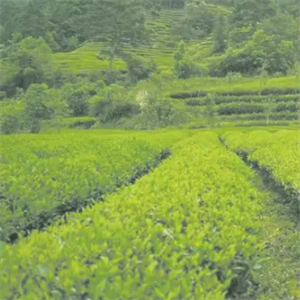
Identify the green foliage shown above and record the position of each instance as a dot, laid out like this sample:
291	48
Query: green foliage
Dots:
261	52
65	172
251	12
107	100
8	73
121	21
35	106
101	35
210	111
9	124
184	66
69	122
2	95
197	23
77	95
26	62
185	231
220	35
10	116
267	151
139	68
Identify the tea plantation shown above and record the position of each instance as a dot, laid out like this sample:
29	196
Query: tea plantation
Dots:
149	215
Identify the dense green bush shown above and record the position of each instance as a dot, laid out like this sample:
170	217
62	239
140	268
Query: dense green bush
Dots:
283	116
256	99
139	68
263	92
286	107
9	124
261	52
197	23
113	111
189	95
242	94
240	109
2	95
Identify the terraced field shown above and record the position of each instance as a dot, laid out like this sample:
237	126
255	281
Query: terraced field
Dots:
159	48
154	215
268	105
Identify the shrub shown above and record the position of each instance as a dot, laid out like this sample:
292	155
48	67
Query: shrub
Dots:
185	68
139	68
9	124
2	95
240	109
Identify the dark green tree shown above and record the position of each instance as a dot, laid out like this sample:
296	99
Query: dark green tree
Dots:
250	12
35	107
220	35
117	22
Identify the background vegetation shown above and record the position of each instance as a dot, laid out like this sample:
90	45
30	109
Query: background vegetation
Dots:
119	63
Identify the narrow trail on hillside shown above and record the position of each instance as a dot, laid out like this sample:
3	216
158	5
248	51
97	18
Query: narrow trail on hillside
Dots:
279	275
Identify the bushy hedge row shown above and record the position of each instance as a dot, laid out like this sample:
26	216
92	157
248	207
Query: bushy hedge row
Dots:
189	95
82	122
240	109
265	92
287	107
248	108
262	116
181	232
261	123
257	99
245	99
44	176
277	153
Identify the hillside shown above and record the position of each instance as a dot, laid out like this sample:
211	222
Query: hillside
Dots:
160	47
132	64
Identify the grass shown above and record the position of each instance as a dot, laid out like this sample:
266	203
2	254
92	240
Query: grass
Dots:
280	274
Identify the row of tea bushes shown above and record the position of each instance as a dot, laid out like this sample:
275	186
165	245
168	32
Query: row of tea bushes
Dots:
187	230
278	153
249	108
246	99
282	116
44	176
239	93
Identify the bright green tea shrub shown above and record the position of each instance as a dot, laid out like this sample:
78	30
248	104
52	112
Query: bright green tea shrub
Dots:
46	175
279	153
188	230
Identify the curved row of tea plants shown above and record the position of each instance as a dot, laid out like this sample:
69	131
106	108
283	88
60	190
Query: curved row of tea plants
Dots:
282	116
239	93
46	175
188	230
249	108
278	153
246	99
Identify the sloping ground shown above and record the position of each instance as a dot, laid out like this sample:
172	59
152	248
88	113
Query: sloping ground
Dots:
246	101
160	48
